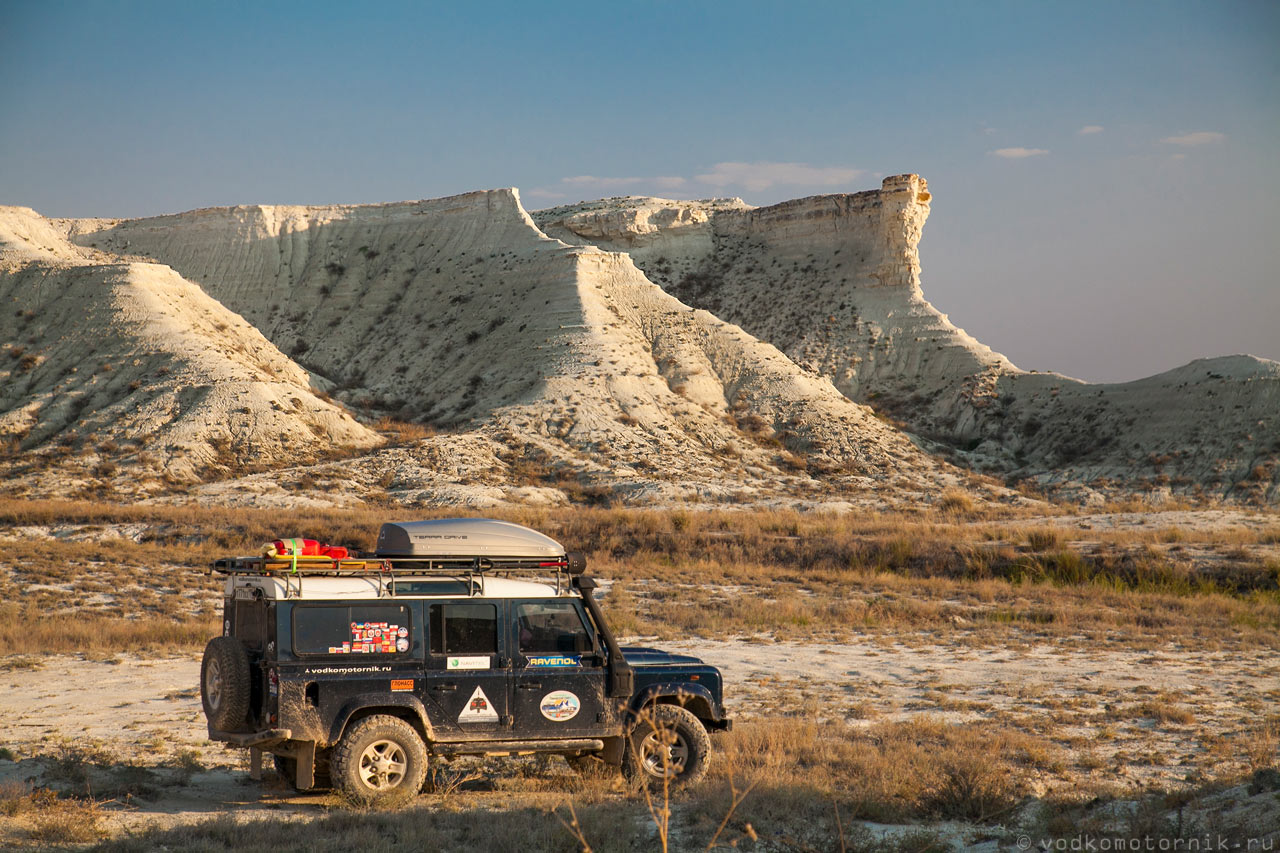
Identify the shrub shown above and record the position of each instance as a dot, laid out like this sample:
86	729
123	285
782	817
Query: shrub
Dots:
1044	538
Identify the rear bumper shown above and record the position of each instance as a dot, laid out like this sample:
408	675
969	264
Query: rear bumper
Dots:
264	738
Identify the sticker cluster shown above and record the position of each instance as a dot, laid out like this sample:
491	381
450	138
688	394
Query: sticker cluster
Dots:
374	638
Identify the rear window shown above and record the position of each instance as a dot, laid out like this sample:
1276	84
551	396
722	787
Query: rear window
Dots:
379	629
464	628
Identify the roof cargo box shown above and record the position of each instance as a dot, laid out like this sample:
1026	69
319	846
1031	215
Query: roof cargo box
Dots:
464	537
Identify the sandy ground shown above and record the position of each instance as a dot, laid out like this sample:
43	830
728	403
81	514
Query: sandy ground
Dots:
130	712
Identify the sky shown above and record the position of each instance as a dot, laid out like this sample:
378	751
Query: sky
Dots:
1105	175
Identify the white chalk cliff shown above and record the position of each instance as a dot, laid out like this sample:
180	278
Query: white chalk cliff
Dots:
834	282
557	370
635	349
108	365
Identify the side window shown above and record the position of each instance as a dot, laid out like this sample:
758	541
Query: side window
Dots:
463	628
552	626
378	629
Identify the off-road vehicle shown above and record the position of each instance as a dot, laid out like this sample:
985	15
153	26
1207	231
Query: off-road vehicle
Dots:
357	672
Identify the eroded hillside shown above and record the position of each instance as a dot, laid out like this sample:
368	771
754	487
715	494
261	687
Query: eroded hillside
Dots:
457	351
553	371
834	282
115	372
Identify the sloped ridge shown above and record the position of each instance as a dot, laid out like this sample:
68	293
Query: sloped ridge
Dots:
834	282
388	302
111	364
461	313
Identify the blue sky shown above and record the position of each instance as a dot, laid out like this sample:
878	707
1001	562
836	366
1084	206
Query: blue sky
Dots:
1105	176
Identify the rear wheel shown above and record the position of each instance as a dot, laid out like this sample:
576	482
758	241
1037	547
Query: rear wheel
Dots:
668	743
224	683
380	758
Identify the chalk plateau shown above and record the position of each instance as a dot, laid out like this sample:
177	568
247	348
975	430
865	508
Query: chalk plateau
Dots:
834	282
462	351
547	372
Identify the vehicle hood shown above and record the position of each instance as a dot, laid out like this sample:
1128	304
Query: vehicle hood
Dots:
640	656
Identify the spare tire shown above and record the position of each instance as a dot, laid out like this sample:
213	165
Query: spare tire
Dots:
224	684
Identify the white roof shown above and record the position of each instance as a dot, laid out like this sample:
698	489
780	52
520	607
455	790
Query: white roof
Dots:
311	588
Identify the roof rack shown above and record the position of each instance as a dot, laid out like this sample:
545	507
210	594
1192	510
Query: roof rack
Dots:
388	569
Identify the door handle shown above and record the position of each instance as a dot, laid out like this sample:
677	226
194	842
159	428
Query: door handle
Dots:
531	686
444	687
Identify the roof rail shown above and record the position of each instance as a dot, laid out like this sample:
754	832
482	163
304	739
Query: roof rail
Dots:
572	564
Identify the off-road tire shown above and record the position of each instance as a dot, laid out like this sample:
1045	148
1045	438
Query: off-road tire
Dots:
380	758
224	684
682	734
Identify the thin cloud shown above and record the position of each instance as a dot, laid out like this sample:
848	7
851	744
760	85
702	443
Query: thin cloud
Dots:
763	174
1018	153
543	192
1089	129
1200	137
666	182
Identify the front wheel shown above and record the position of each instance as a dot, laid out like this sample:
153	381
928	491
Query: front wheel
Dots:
380	758
668	744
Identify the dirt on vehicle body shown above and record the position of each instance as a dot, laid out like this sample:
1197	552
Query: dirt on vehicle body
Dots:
357	672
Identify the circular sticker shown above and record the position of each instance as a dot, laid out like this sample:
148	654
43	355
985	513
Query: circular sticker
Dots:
402	631
402	645
560	706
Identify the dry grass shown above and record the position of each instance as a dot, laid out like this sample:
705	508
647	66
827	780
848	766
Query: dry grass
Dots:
893	771
796	783
133	575
41	816
29	630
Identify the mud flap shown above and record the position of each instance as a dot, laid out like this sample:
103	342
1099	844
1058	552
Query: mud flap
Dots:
255	764
306	757
614	749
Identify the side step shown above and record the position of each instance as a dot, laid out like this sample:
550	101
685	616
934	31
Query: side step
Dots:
517	747
267	736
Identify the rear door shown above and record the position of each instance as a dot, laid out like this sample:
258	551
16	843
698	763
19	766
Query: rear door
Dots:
558	670
466	677
251	615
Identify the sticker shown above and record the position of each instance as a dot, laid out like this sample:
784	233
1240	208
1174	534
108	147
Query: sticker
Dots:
473	662
402	645
402	632
555	660
402	684
560	706
478	709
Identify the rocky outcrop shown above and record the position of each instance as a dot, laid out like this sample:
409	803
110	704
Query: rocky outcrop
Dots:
558	366
834	282
124	372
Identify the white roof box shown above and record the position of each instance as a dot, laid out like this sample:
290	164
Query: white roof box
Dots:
464	537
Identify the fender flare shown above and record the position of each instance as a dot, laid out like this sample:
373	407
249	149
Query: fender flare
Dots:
692	696
376	701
